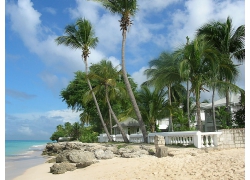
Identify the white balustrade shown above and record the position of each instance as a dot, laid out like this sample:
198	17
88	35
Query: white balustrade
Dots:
136	138
119	138
197	138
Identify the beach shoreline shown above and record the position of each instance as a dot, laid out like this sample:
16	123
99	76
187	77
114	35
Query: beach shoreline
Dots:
16	166
187	163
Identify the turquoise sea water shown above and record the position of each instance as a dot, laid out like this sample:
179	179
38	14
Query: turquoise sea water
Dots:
21	155
23	147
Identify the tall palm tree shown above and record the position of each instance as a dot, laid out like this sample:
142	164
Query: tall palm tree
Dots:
81	36
164	72
202	59
229	42
126	9
224	69
106	75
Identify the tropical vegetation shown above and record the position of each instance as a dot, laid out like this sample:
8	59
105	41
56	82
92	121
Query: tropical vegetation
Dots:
106	95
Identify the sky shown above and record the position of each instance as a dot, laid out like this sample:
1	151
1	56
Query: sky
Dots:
37	69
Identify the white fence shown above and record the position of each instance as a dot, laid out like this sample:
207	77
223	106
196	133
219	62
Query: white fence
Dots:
197	138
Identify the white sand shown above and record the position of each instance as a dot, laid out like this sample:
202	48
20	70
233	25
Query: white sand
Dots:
186	164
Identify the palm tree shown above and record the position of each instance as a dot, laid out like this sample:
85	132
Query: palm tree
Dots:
152	105
229	42
164	72
126	8
76	130
224	69
81	36
106	75
202	59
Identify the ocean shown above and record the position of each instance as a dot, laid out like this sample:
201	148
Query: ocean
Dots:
21	155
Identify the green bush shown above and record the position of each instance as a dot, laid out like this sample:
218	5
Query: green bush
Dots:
88	135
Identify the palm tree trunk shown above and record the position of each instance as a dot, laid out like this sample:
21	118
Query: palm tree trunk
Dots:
188	113
153	128
110	121
227	105
97	106
170	129
129	90
198	109
213	109
115	118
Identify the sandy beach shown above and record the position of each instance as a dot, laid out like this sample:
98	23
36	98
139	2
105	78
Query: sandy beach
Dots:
185	164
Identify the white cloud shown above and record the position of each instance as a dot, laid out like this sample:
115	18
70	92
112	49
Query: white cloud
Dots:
24	20
25	130
156	5
50	10
86	9
37	125
139	76
196	13
65	115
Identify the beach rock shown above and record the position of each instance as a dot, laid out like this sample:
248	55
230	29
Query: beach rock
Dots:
135	154
73	145
52	160
57	148
62	157
113	149
161	151
85	164
62	168
100	154
80	156
94	147
129	155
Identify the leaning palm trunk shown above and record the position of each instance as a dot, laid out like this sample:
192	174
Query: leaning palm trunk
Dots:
129	89
188	113
116	120
97	106
110	121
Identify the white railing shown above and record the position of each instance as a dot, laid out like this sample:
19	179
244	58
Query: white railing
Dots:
209	139
119	138
197	138
104	138
136	138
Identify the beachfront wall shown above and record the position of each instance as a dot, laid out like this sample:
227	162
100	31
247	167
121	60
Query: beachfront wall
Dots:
232	138
225	138
196	138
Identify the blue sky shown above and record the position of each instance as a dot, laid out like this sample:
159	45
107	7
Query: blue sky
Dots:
36	69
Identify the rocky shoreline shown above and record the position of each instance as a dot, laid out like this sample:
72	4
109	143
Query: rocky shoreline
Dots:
69	156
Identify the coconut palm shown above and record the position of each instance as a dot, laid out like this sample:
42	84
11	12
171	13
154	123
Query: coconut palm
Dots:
229	42
164	72
152	105
202	59
126	9
106	75
81	36
224	69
